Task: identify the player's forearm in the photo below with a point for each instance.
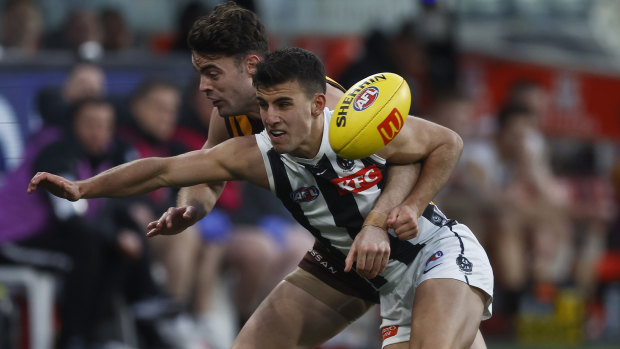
(130, 179)
(436, 170)
(400, 180)
(203, 197)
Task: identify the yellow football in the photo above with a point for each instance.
(369, 115)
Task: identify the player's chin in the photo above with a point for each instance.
(223, 110)
(281, 148)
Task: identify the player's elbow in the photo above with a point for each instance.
(454, 142)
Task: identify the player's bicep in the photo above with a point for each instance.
(245, 161)
(417, 140)
(410, 145)
(235, 159)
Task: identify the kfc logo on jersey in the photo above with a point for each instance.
(305, 194)
(389, 331)
(365, 98)
(359, 181)
(389, 128)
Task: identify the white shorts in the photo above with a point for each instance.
(455, 254)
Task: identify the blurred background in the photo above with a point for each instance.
(532, 87)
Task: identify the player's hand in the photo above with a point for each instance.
(56, 185)
(404, 220)
(173, 221)
(371, 251)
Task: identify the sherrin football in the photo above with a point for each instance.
(369, 115)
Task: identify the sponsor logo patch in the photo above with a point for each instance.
(345, 164)
(434, 257)
(389, 331)
(322, 261)
(359, 181)
(389, 128)
(464, 264)
(365, 98)
(432, 261)
(305, 194)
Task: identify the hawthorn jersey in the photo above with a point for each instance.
(331, 197)
(242, 125)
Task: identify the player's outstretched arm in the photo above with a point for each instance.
(145, 175)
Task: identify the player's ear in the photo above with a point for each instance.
(318, 104)
(250, 63)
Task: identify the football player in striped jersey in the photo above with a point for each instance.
(433, 289)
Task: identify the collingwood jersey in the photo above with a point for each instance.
(331, 197)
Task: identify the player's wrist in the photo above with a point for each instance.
(83, 190)
(376, 219)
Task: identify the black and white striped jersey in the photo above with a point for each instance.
(331, 197)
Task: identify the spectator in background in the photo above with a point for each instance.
(80, 33)
(117, 35)
(93, 242)
(531, 95)
(533, 240)
(149, 128)
(85, 79)
(186, 18)
(437, 24)
(466, 196)
(401, 53)
(22, 28)
(589, 212)
(196, 110)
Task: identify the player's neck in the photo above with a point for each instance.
(254, 114)
(311, 147)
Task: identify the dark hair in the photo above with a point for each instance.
(148, 86)
(510, 112)
(228, 30)
(291, 64)
(518, 88)
(76, 107)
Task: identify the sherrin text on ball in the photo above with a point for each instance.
(369, 115)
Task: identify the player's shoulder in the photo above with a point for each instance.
(333, 83)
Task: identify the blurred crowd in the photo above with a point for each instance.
(549, 229)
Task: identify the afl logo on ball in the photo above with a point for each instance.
(366, 98)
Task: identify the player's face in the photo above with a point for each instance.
(293, 121)
(228, 83)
